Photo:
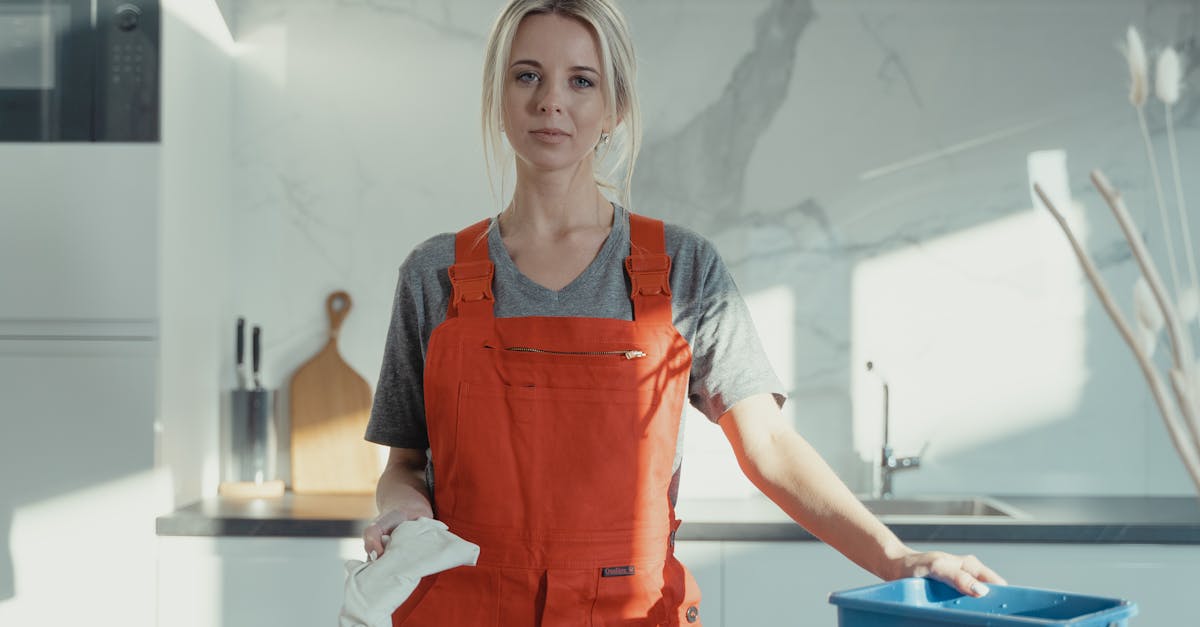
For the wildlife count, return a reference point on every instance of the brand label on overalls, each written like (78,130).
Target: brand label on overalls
(617,571)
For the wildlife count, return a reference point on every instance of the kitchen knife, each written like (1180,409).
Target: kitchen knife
(241,353)
(255,354)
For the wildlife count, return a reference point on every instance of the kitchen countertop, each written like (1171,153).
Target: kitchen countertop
(1057,519)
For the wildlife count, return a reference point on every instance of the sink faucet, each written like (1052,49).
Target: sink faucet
(889,464)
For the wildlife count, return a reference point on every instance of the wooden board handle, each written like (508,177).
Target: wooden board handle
(338,305)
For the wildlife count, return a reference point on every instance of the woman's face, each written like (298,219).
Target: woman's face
(554,104)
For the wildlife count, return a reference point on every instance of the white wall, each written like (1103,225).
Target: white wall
(196,260)
(870,193)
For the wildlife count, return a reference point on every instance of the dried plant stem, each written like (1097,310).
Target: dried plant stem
(1188,450)
(1180,350)
(1183,391)
(1180,201)
(1184,358)
(1158,192)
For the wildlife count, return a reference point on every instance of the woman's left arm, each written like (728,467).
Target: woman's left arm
(791,473)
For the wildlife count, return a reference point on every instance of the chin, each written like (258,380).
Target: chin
(539,160)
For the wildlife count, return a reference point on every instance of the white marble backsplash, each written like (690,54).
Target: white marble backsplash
(863,166)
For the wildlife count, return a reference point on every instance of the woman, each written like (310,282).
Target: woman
(544,358)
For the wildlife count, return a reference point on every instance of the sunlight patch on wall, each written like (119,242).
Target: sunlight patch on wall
(710,470)
(261,51)
(203,17)
(979,334)
(774,313)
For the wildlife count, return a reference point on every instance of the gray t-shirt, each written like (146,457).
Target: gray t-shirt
(728,362)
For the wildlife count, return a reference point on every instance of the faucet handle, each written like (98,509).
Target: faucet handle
(901,463)
(914,461)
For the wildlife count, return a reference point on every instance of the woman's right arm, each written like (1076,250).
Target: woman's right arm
(400,495)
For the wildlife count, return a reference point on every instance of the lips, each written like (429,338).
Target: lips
(550,135)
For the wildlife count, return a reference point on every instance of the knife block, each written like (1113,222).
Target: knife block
(249,440)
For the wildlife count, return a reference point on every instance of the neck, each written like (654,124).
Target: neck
(548,202)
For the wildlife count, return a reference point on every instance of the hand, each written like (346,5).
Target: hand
(376,534)
(966,573)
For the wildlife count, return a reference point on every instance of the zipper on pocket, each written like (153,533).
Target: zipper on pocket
(627,354)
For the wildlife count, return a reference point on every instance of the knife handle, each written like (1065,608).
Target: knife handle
(241,341)
(256,351)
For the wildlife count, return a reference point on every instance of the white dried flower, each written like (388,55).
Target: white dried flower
(1189,304)
(1135,53)
(1167,76)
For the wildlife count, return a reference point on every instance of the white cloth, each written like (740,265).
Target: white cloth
(374,589)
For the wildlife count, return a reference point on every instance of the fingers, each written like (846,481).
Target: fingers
(951,569)
(373,541)
(981,572)
(967,574)
(377,534)
(968,584)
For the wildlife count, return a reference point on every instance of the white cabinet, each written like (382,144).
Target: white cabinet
(210,582)
(78,232)
(218,582)
(297,582)
(78,360)
(784,583)
(78,492)
(789,583)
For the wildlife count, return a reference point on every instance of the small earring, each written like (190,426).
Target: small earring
(604,138)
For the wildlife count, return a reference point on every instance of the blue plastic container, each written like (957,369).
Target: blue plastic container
(928,603)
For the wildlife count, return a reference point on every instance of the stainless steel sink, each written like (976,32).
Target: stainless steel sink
(956,507)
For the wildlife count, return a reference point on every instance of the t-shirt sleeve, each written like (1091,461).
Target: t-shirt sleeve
(728,360)
(398,412)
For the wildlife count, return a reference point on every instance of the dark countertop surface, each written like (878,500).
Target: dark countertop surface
(1057,519)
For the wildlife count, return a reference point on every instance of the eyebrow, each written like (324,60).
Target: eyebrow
(575,68)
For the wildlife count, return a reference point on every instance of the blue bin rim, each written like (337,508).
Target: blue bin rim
(852,599)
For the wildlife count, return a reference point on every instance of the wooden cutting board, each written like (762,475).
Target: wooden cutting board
(330,405)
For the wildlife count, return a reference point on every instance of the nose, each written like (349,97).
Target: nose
(551,100)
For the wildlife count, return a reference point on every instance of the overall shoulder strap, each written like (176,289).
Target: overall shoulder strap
(649,269)
(471,275)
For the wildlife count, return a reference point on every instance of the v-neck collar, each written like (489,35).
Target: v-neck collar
(506,266)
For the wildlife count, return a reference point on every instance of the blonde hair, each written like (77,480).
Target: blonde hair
(620,72)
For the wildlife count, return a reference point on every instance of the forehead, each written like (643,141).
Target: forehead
(549,38)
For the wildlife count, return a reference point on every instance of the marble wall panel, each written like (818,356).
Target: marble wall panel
(862,165)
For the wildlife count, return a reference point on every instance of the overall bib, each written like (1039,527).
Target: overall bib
(553,439)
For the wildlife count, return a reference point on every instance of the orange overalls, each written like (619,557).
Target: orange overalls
(553,439)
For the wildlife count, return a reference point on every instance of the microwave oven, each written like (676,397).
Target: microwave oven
(79,70)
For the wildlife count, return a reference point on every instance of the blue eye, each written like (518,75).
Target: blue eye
(527,77)
(582,82)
